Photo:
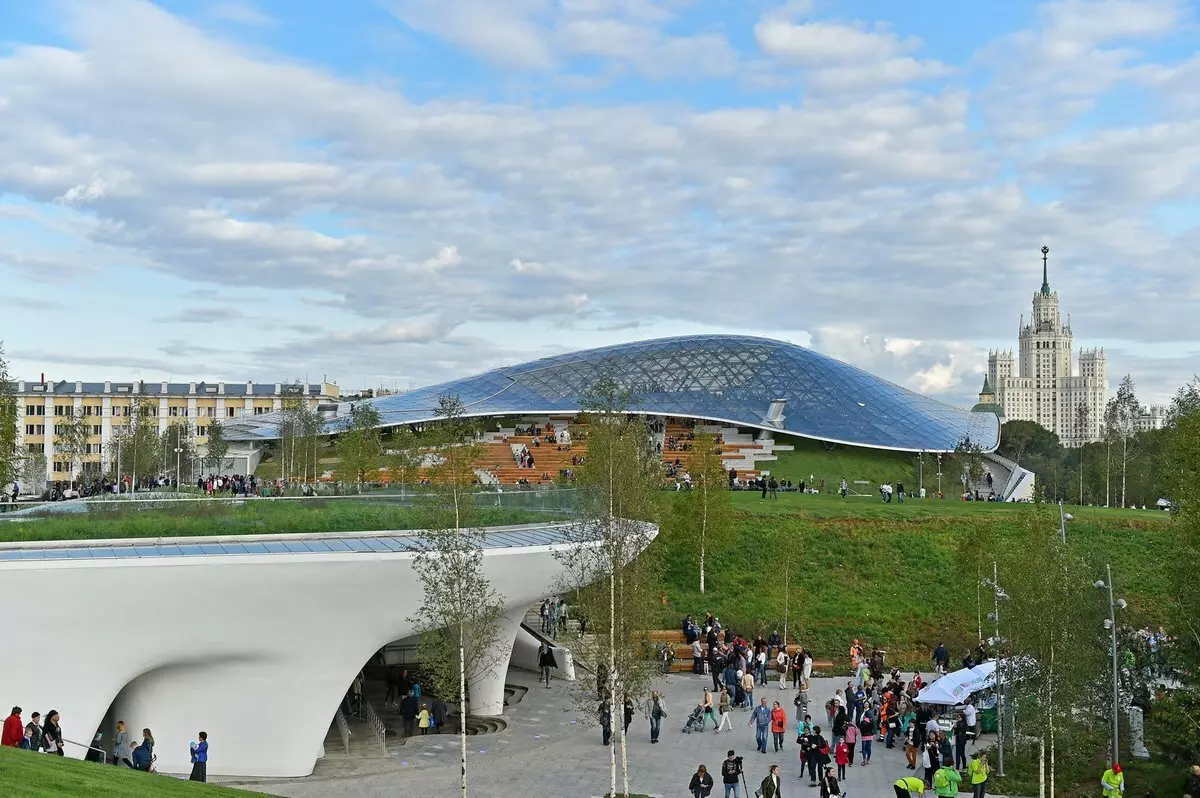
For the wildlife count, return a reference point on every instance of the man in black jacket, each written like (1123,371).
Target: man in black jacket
(731,772)
(409,706)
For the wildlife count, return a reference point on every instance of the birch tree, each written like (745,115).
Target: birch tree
(459,620)
(71,433)
(704,514)
(403,456)
(608,566)
(1055,663)
(10,460)
(1120,418)
(359,447)
(216,447)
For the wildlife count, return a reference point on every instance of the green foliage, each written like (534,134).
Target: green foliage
(216,447)
(358,446)
(1174,726)
(71,434)
(898,576)
(299,439)
(460,615)
(704,515)
(24,774)
(258,517)
(10,460)
(814,462)
(135,448)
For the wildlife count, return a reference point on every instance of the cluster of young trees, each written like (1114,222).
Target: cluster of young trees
(1127,467)
(10,459)
(363,449)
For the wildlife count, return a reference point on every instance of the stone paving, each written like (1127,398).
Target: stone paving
(550,751)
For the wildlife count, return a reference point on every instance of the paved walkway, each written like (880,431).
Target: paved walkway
(548,751)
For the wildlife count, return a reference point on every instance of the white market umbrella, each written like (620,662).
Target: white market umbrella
(954,688)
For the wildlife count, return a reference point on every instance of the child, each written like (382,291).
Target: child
(423,719)
(27,740)
(841,755)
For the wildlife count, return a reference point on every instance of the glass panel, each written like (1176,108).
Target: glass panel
(212,548)
(254,548)
(297,547)
(79,554)
(275,547)
(56,554)
(337,545)
(190,550)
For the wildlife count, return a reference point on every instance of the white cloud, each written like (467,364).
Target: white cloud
(242,13)
(841,56)
(882,219)
(445,258)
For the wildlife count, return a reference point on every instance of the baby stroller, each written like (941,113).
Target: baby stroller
(695,721)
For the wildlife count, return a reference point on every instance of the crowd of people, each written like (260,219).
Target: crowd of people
(46,736)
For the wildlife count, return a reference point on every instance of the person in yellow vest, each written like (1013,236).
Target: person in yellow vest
(977,774)
(946,779)
(906,786)
(1113,782)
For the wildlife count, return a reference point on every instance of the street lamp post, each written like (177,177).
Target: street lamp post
(1062,523)
(178,454)
(939,463)
(1113,606)
(994,615)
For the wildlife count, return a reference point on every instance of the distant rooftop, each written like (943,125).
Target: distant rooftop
(147,388)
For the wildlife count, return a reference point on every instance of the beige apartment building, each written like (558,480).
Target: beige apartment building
(43,407)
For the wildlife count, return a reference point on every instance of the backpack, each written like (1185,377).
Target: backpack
(940,779)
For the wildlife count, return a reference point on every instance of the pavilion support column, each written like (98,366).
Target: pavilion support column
(485,686)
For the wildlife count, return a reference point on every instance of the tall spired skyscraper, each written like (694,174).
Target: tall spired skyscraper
(1042,383)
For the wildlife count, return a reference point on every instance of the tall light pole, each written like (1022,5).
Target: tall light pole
(997,594)
(1062,523)
(1113,606)
(939,461)
(178,453)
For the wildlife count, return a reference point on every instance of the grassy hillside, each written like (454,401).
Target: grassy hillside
(24,774)
(255,517)
(833,462)
(887,574)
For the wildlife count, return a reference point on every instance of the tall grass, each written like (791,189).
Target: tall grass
(254,517)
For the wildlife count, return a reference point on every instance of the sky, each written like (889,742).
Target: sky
(400,192)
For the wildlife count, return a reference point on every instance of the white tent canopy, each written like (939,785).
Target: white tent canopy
(954,688)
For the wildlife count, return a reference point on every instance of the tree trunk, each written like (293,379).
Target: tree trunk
(787,593)
(703,530)
(1124,468)
(1108,477)
(462,709)
(1042,768)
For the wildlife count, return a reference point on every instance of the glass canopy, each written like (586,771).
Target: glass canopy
(730,379)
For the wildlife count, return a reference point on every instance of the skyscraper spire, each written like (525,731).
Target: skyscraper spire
(1045,275)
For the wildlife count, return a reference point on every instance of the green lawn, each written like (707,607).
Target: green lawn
(887,574)
(813,461)
(253,517)
(25,774)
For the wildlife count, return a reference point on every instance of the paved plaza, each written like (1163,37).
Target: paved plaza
(549,750)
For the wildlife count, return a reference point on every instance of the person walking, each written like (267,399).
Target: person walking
(656,710)
(546,662)
(842,757)
(706,704)
(851,738)
(771,787)
(946,780)
(605,713)
(866,728)
(977,774)
(121,749)
(701,784)
(409,707)
(829,784)
(960,742)
(697,658)
(1113,782)
(778,725)
(760,719)
(52,737)
(199,753)
(724,706)
(627,713)
(14,729)
(747,685)
(731,772)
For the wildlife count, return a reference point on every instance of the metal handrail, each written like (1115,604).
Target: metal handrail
(343,729)
(376,725)
(103,753)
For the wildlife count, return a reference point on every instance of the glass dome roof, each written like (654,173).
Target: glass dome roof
(721,378)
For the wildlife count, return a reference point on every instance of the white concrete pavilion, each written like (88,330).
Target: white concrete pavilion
(253,639)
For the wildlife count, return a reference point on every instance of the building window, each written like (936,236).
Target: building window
(61,467)
(210,411)
(35,429)
(36,448)
(60,410)
(201,432)
(230,412)
(97,429)
(89,410)
(173,411)
(35,410)
(258,411)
